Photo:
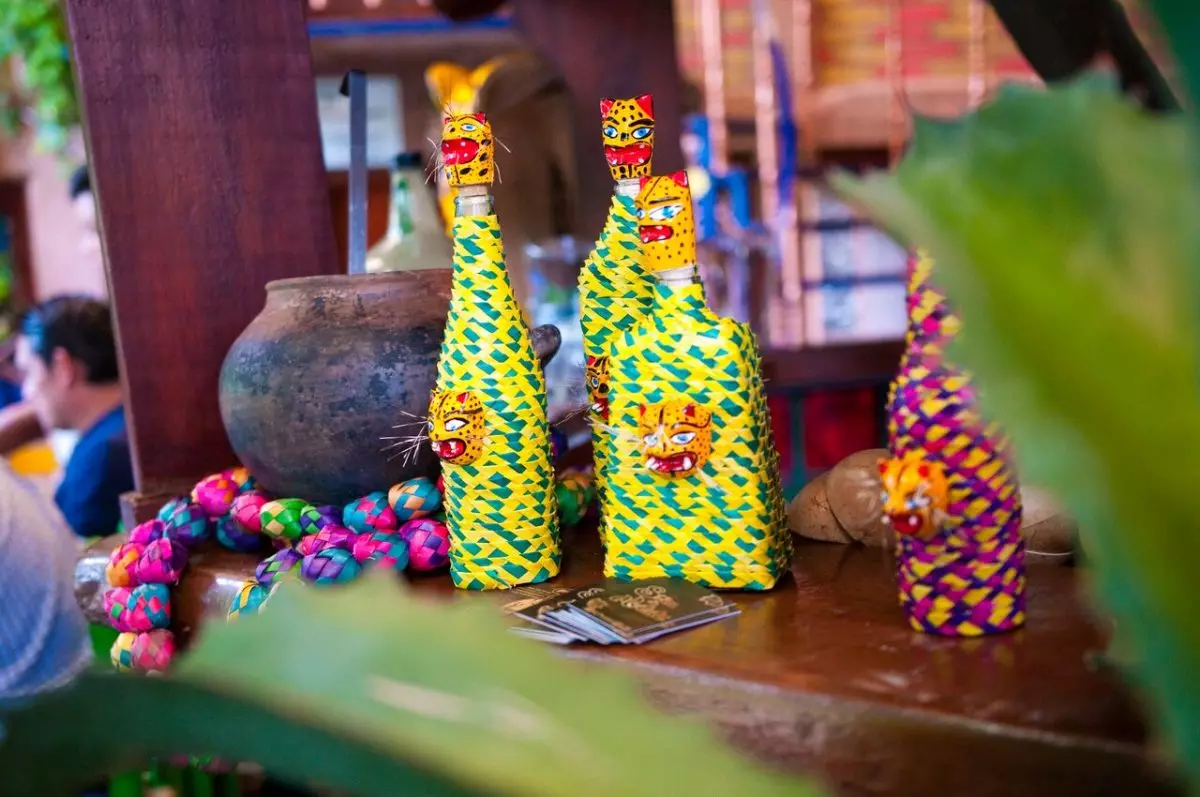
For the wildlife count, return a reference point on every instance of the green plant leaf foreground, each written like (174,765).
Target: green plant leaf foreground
(1063,226)
(419,698)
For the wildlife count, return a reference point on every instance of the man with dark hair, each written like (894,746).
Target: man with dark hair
(84,203)
(67,354)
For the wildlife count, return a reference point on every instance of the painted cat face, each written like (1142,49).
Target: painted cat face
(915,495)
(676,437)
(456,426)
(666,223)
(628,130)
(468,149)
(597,385)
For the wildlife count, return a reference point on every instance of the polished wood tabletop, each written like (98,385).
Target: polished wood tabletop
(822,675)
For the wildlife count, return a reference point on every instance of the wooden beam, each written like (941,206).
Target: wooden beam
(618,48)
(201,127)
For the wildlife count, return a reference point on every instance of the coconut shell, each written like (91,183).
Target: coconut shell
(853,494)
(810,517)
(1048,530)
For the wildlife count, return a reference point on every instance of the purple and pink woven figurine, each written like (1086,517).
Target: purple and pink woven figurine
(428,543)
(215,494)
(189,525)
(949,488)
(142,608)
(370,513)
(383,548)
(330,566)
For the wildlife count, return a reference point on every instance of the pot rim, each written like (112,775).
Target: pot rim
(352,280)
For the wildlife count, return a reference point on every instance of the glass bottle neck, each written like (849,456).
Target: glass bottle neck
(473,200)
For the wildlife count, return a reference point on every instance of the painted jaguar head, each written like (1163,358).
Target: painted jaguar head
(597,385)
(628,130)
(468,149)
(915,495)
(456,426)
(666,222)
(676,437)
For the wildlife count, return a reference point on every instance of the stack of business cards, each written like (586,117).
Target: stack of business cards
(614,612)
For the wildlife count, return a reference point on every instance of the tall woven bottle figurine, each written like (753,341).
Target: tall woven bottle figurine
(615,290)
(487,416)
(693,474)
(949,488)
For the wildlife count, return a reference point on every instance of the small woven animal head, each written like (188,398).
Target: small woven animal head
(666,222)
(596,375)
(468,149)
(456,426)
(676,437)
(915,495)
(628,130)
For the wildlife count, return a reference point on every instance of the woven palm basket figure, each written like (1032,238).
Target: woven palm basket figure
(487,417)
(693,475)
(950,491)
(615,290)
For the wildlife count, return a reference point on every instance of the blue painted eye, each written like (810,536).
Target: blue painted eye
(641,213)
(683,438)
(642,132)
(610,131)
(468,127)
(454,424)
(666,212)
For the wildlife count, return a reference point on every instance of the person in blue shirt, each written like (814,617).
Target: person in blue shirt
(67,355)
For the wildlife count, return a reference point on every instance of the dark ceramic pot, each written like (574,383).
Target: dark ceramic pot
(317,382)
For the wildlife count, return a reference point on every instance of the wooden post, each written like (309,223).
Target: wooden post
(201,129)
(616,48)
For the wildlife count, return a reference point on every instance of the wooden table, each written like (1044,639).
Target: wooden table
(823,676)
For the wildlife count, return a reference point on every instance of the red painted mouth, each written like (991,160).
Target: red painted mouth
(448,450)
(632,155)
(600,408)
(654,232)
(679,463)
(906,523)
(456,151)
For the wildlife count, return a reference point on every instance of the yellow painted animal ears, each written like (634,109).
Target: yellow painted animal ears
(680,178)
(456,88)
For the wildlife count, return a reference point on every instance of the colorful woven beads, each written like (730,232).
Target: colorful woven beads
(234,536)
(149,651)
(330,515)
(386,548)
(370,513)
(163,562)
(247,510)
(330,566)
(215,494)
(277,566)
(148,532)
(122,564)
(328,537)
(142,608)
(250,598)
(558,443)
(428,543)
(242,479)
(414,498)
(189,525)
(168,509)
(282,519)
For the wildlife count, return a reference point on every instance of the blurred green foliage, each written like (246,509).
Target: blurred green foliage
(368,689)
(1063,225)
(35,53)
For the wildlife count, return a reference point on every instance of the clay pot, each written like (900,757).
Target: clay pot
(327,370)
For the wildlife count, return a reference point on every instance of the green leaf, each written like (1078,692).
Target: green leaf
(406,687)
(1063,226)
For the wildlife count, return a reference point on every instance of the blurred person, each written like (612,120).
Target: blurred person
(44,640)
(67,355)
